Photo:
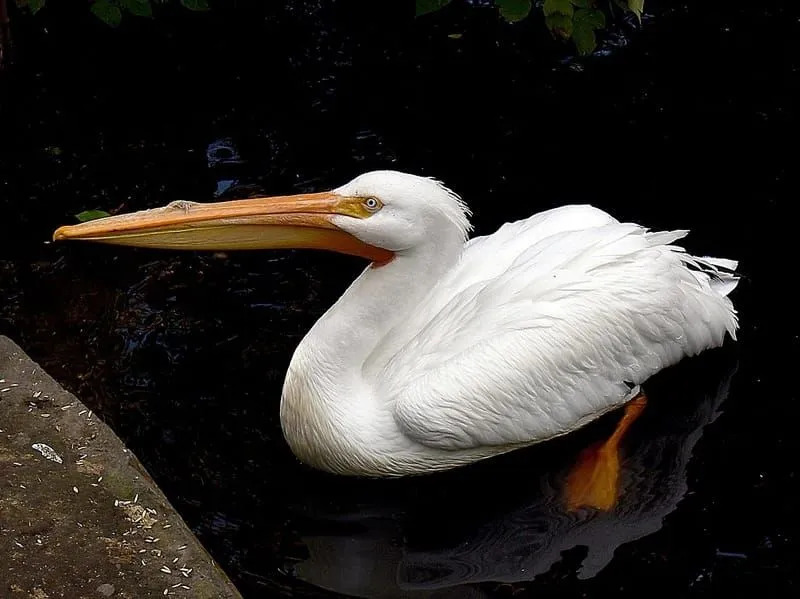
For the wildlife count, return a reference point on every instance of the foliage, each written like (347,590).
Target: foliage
(575,20)
(88,215)
(111,11)
(106,11)
(514,10)
(35,5)
(426,6)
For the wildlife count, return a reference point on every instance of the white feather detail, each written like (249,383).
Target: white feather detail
(530,343)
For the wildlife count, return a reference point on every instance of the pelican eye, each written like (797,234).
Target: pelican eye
(373,204)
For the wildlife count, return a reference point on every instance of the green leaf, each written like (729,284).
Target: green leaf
(584,39)
(557,7)
(584,23)
(107,12)
(195,4)
(582,3)
(35,5)
(140,8)
(636,7)
(590,17)
(426,6)
(88,215)
(560,25)
(514,10)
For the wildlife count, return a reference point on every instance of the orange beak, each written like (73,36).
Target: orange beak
(299,221)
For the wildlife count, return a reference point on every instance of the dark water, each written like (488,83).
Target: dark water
(689,122)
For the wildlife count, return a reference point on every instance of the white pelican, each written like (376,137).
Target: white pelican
(446,351)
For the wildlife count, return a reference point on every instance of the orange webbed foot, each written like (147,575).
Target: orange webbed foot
(593,481)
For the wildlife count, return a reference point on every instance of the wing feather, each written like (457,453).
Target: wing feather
(547,324)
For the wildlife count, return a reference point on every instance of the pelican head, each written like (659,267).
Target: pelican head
(376,215)
(408,209)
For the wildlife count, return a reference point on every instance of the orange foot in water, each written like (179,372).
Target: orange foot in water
(594,479)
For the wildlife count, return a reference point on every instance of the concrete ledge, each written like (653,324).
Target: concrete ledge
(79,515)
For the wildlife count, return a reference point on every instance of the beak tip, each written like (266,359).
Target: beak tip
(61,234)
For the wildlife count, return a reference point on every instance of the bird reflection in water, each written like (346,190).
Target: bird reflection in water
(499,521)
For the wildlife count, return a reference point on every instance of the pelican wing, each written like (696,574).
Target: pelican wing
(547,324)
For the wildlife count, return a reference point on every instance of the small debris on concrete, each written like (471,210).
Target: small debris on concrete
(48,452)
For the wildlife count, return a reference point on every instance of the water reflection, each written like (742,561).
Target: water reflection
(223,151)
(506,521)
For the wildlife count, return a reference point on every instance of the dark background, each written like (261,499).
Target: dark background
(688,121)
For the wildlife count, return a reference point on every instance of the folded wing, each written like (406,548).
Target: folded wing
(547,324)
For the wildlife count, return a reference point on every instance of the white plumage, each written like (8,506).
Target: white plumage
(455,351)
